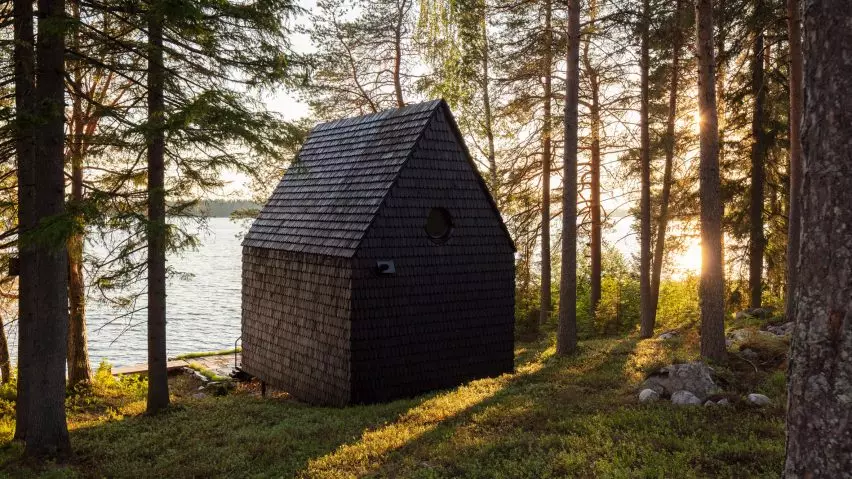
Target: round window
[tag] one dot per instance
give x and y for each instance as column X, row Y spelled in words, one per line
column 439, row 224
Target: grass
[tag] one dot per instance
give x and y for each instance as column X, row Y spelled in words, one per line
column 554, row 417
column 204, row 354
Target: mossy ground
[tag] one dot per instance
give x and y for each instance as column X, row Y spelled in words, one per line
column 554, row 417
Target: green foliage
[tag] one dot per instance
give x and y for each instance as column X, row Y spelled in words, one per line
column 678, row 304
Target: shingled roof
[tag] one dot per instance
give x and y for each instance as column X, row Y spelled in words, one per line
column 329, row 196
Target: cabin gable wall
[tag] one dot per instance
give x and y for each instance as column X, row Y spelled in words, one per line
column 447, row 314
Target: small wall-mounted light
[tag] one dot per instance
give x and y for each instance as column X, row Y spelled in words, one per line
column 385, row 267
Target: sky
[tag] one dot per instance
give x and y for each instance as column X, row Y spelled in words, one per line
column 621, row 234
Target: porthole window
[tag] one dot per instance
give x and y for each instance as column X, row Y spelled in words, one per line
column 439, row 225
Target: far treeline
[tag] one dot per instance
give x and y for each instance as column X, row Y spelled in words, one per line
column 224, row 208
column 726, row 121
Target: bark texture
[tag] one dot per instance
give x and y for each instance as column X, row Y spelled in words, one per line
column 711, row 292
column 24, row 53
column 595, row 241
column 757, row 242
column 546, row 143
column 5, row 363
column 47, row 432
column 669, row 146
column 794, row 221
column 566, row 335
column 79, row 369
column 158, row 385
column 819, row 412
column 646, row 328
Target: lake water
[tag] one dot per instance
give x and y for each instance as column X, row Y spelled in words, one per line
column 203, row 310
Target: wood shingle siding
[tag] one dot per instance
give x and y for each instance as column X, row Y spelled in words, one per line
column 322, row 322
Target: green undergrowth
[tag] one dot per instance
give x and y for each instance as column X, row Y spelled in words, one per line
column 553, row 417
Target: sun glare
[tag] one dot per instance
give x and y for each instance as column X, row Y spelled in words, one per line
column 689, row 261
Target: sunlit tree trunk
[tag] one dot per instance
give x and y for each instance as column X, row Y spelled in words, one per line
column 24, row 53
column 546, row 66
column 795, row 215
column 79, row 370
column 669, row 145
column 758, row 160
column 486, row 105
column 646, row 329
column 566, row 336
column 158, row 385
column 47, row 432
column 397, row 59
column 819, row 417
column 595, row 241
column 711, row 292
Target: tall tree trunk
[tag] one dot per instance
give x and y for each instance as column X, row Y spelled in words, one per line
column 486, row 104
column 79, row 370
column 711, row 292
column 24, row 53
column 646, row 329
column 595, row 240
column 158, row 381
column 758, row 159
column 47, row 433
column 669, row 145
column 397, row 59
column 566, row 337
column 794, row 221
column 547, row 65
column 5, row 363
column 819, row 418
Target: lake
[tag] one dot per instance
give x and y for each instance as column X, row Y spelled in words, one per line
column 203, row 310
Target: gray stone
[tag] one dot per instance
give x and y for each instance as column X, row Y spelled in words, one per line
column 709, row 403
column 781, row 329
column 648, row 395
column 667, row 335
column 199, row 396
column 723, row 402
column 685, row 398
column 748, row 353
column 694, row 377
column 759, row 399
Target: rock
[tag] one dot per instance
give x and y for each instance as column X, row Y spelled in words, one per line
column 748, row 353
column 761, row 313
column 759, row 399
column 781, row 329
column 199, row 396
column 667, row 335
column 648, row 395
column 709, row 403
column 741, row 315
column 685, row 398
column 723, row 402
column 693, row 377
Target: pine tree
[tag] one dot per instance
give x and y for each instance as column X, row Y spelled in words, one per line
column 819, row 433
column 712, row 276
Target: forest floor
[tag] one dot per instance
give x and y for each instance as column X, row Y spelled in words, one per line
column 553, row 417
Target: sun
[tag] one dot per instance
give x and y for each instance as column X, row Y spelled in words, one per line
column 688, row 262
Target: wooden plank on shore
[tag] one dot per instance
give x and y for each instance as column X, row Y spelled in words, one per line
column 143, row 368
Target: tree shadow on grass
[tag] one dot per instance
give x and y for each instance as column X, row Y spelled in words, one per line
column 565, row 417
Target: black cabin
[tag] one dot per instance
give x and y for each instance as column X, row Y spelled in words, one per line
column 380, row 267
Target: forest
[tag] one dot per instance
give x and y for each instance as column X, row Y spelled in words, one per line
column 675, row 176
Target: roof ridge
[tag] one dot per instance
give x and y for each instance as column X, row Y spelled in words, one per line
column 395, row 113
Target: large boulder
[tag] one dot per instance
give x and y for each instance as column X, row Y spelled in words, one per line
column 694, row 377
column 648, row 395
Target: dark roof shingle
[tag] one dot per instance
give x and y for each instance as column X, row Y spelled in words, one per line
column 329, row 196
